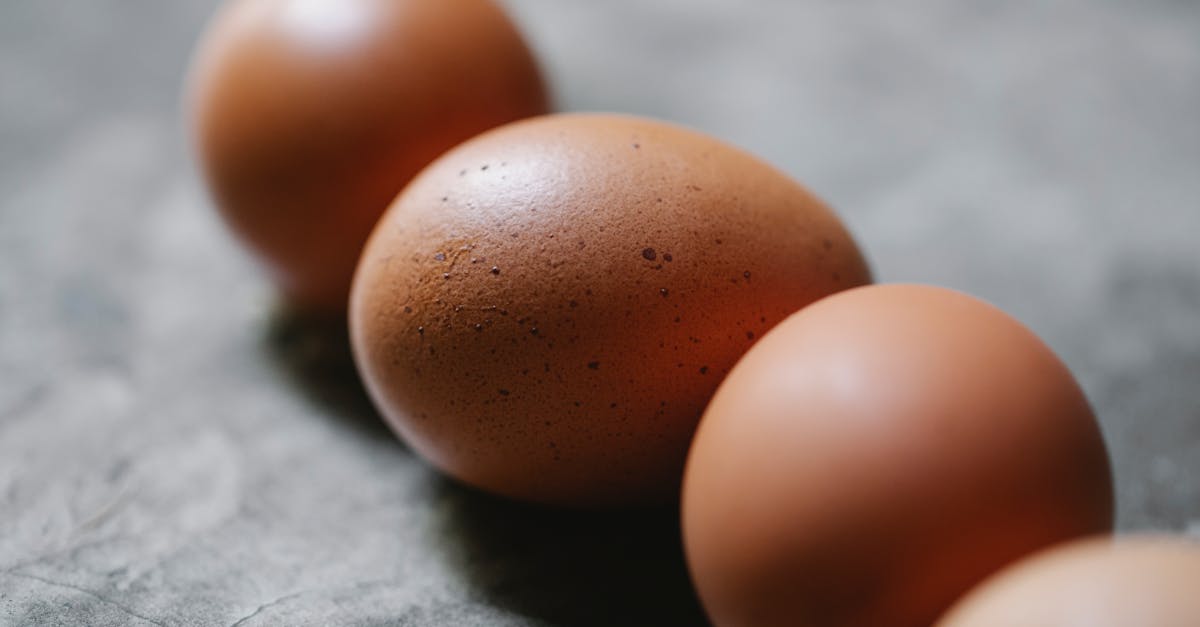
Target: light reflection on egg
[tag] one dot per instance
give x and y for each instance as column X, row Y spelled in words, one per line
column 1144, row 580
column 878, row 453
column 308, row 116
column 545, row 310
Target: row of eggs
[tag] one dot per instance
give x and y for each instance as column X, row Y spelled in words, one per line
column 594, row 310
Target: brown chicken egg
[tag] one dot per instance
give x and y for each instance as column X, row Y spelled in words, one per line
column 877, row 454
column 1142, row 581
column 545, row 311
column 309, row 116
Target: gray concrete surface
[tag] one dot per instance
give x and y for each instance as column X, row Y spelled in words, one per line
column 173, row 452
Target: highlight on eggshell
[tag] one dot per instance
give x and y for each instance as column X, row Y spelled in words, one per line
column 1139, row 580
column 546, row 310
column 880, row 452
column 308, row 116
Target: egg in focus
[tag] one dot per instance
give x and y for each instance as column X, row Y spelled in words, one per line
column 308, row 116
column 1142, row 581
column 877, row 454
column 545, row 311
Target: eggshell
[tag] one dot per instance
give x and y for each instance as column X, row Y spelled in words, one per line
column 546, row 310
column 1142, row 581
column 310, row 115
column 878, row 453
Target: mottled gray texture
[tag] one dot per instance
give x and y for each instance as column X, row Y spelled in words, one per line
column 172, row 452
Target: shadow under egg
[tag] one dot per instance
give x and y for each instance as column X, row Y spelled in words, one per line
column 568, row 567
column 313, row 353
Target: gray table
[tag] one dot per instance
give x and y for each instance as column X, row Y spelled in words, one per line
column 174, row 451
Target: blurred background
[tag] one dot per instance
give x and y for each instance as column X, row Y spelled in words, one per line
column 172, row 452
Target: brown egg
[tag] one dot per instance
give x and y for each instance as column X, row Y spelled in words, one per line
column 545, row 311
column 1143, row 581
column 310, row 115
column 878, row 453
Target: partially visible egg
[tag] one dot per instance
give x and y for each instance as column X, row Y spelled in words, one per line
column 309, row 116
column 1142, row 581
column 880, row 452
column 546, row 310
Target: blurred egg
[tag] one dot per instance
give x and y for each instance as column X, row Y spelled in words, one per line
column 309, row 116
column 1142, row 581
column 878, row 453
column 546, row 310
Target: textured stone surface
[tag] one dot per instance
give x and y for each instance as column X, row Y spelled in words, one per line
column 173, row 452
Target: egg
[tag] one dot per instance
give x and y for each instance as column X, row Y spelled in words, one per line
column 1147, row 581
column 878, row 453
column 308, row 116
column 545, row 311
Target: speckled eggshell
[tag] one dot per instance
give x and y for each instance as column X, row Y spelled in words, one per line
column 1142, row 581
column 546, row 310
column 308, row 116
column 880, row 452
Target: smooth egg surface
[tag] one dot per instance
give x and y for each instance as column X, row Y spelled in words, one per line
column 308, row 116
column 1142, row 581
column 878, row 453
